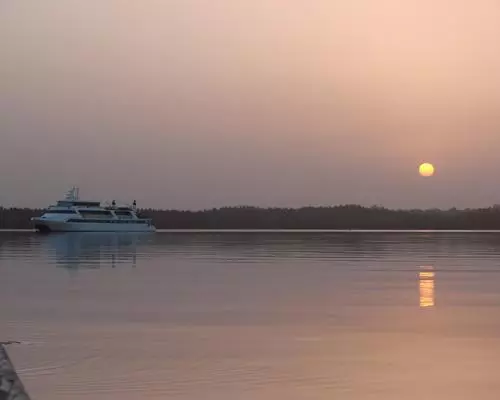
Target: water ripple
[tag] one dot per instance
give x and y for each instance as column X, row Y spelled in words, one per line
column 253, row 315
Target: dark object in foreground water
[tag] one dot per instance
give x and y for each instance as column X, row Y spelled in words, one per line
column 11, row 387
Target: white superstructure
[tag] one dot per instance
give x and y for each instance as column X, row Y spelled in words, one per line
column 75, row 215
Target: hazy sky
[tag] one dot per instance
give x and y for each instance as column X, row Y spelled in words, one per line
column 202, row 103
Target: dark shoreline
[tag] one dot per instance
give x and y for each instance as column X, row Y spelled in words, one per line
column 346, row 217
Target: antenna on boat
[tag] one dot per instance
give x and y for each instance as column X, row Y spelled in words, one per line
column 73, row 194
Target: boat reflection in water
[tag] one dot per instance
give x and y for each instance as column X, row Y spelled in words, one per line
column 74, row 250
column 426, row 286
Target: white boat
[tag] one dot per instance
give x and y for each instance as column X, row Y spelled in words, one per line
column 75, row 215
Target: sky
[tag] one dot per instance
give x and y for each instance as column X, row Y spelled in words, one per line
column 195, row 104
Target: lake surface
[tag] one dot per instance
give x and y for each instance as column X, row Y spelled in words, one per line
column 218, row 316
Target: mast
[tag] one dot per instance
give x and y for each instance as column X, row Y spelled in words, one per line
column 73, row 194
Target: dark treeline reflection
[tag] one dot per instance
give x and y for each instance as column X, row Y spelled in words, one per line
column 338, row 217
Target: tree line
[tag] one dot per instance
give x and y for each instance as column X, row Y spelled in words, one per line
column 335, row 217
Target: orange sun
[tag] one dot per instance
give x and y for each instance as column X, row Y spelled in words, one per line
column 426, row 169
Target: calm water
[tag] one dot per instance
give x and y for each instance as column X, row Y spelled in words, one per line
column 253, row 315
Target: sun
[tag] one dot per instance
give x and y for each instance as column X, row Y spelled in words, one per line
column 426, row 169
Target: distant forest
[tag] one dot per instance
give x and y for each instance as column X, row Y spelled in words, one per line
column 337, row 217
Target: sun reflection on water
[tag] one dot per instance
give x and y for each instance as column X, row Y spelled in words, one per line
column 426, row 285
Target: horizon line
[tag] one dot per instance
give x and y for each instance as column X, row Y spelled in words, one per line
column 295, row 208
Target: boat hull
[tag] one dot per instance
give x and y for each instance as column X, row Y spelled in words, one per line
column 46, row 226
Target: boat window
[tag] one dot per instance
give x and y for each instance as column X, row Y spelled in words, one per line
column 60, row 211
column 87, row 203
column 127, row 213
column 104, row 221
column 95, row 212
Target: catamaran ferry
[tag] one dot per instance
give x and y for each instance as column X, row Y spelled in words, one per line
column 73, row 214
